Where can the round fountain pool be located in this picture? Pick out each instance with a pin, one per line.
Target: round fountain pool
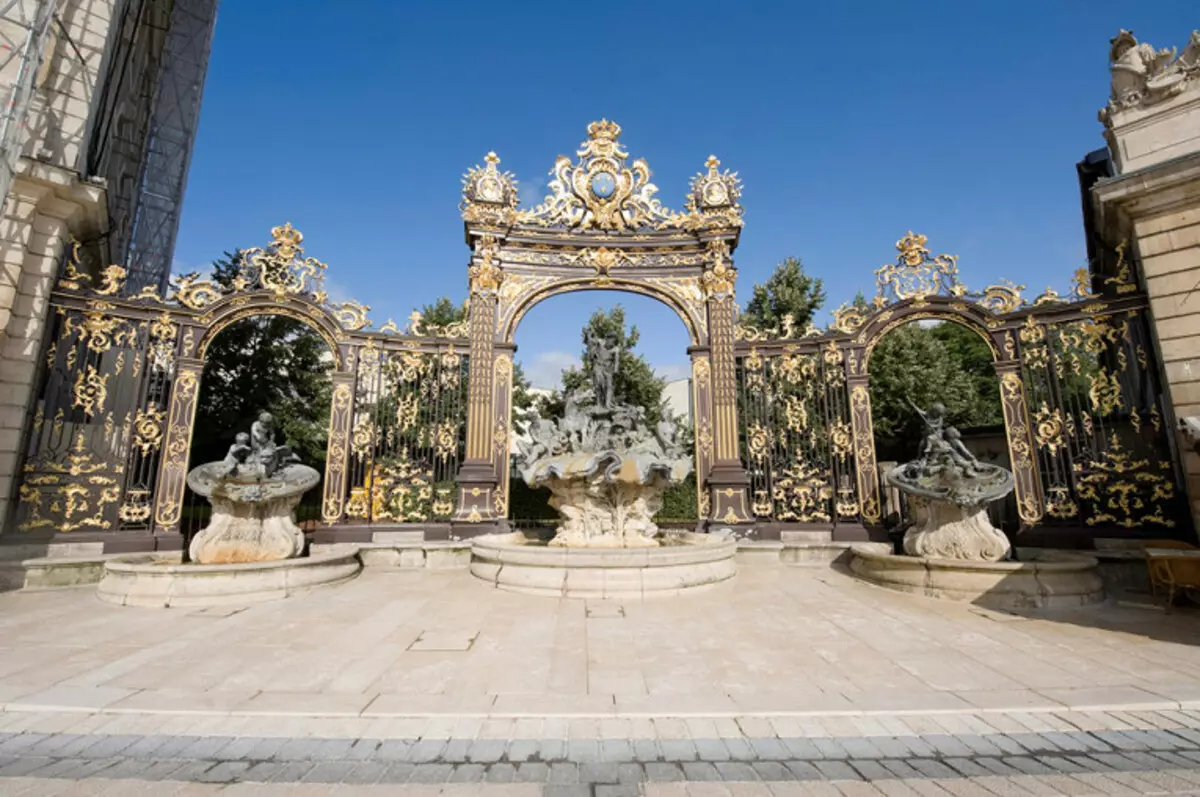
(683, 561)
(158, 580)
(1040, 580)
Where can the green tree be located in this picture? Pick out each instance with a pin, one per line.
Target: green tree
(916, 364)
(267, 362)
(789, 291)
(974, 357)
(635, 382)
(443, 312)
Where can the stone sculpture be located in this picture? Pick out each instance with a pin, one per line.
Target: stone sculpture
(1143, 75)
(254, 492)
(948, 491)
(605, 468)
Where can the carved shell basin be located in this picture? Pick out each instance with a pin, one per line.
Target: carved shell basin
(985, 484)
(248, 486)
(628, 468)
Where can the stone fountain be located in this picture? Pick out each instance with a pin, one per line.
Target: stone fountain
(251, 549)
(952, 549)
(606, 471)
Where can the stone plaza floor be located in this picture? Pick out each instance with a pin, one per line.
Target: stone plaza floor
(784, 681)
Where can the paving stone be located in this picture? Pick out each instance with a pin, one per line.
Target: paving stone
(616, 750)
(917, 747)
(772, 771)
(329, 771)
(522, 750)
(93, 767)
(804, 770)
(870, 769)
(1061, 763)
(553, 750)
(362, 750)
(965, 767)
(23, 766)
(740, 749)
(65, 744)
(736, 770)
(583, 750)
(837, 770)
(487, 751)
(769, 749)
(932, 768)
(130, 768)
(427, 750)
(51, 768)
(366, 773)
(890, 747)
(176, 744)
(830, 748)
(618, 790)
(1077, 742)
(700, 770)
(711, 750)
(563, 773)
(980, 745)
(662, 772)
(394, 750)
(1034, 742)
(261, 772)
(21, 741)
(1004, 745)
(677, 750)
(946, 745)
(227, 772)
(430, 773)
(566, 790)
(1028, 765)
(237, 749)
(333, 750)
(630, 773)
(1120, 741)
(294, 750)
(645, 750)
(900, 769)
(289, 771)
(532, 772)
(1188, 737)
(467, 773)
(160, 770)
(398, 772)
(860, 747)
(597, 772)
(801, 748)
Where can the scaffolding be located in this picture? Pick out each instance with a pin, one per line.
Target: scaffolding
(144, 128)
(24, 32)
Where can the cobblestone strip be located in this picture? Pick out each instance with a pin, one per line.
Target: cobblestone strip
(1143, 760)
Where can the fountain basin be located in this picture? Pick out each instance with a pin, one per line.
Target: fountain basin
(1041, 580)
(689, 561)
(157, 580)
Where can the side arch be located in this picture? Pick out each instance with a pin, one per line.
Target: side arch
(229, 312)
(880, 324)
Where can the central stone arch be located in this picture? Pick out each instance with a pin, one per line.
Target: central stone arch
(601, 228)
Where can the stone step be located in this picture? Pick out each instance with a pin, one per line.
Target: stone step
(806, 535)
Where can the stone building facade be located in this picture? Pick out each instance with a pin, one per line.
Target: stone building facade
(1152, 125)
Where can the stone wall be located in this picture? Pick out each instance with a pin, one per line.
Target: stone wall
(47, 205)
(1152, 124)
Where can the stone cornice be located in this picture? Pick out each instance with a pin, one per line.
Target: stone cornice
(1155, 189)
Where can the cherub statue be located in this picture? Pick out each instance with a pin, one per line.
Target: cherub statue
(237, 453)
(666, 431)
(958, 452)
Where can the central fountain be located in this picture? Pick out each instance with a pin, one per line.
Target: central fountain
(606, 471)
(951, 548)
(251, 549)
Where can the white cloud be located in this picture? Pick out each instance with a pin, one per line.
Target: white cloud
(545, 370)
(928, 323)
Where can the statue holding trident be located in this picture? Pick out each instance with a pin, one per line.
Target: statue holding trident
(605, 355)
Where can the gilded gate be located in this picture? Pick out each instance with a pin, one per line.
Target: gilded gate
(420, 423)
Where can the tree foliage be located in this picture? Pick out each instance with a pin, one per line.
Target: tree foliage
(635, 382)
(946, 363)
(266, 362)
(789, 291)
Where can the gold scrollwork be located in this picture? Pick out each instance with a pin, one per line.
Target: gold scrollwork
(918, 275)
(148, 429)
(1049, 429)
(1124, 491)
(90, 391)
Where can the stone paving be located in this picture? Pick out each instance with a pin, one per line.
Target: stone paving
(785, 682)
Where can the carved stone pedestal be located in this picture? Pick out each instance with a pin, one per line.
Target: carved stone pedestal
(944, 530)
(249, 532)
(598, 513)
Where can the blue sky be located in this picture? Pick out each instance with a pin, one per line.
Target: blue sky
(849, 123)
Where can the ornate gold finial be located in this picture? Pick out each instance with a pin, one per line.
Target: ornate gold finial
(604, 129)
(713, 164)
(912, 249)
(492, 160)
(916, 274)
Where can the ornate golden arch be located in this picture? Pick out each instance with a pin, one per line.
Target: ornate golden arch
(229, 311)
